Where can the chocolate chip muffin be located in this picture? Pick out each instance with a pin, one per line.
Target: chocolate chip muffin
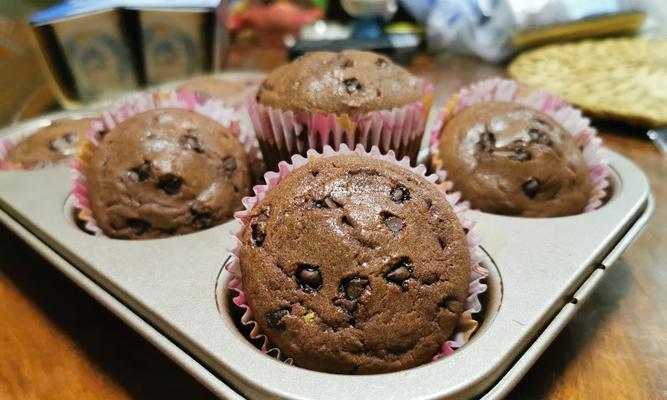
(352, 97)
(506, 158)
(231, 92)
(49, 145)
(166, 172)
(348, 82)
(355, 265)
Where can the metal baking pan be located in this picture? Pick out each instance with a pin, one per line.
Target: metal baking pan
(172, 290)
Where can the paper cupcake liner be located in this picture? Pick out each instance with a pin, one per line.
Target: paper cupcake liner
(282, 134)
(6, 145)
(135, 104)
(466, 326)
(566, 115)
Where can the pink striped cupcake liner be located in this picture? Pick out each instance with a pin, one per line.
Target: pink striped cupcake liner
(282, 133)
(6, 144)
(467, 324)
(566, 115)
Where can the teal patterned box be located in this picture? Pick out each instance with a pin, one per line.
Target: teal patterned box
(93, 50)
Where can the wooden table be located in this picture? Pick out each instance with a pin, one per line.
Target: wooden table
(56, 342)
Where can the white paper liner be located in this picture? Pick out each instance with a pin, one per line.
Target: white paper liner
(569, 117)
(118, 112)
(466, 325)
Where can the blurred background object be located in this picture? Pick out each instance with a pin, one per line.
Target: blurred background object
(92, 50)
(495, 29)
(613, 78)
(273, 23)
(369, 16)
(148, 42)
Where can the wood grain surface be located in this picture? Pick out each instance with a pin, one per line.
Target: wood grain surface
(58, 343)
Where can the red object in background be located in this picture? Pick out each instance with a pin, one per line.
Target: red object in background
(272, 22)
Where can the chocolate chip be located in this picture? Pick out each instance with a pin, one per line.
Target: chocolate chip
(201, 220)
(258, 227)
(352, 85)
(530, 187)
(348, 63)
(140, 173)
(71, 138)
(394, 223)
(169, 231)
(355, 287)
(520, 153)
(449, 303)
(309, 278)
(487, 142)
(170, 184)
(63, 142)
(400, 194)
(346, 221)
(275, 318)
(381, 62)
(378, 93)
(443, 242)
(400, 272)
(327, 202)
(351, 292)
(539, 136)
(347, 304)
(191, 142)
(138, 226)
(429, 279)
(229, 164)
(399, 275)
(258, 234)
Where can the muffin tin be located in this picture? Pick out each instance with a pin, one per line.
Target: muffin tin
(172, 290)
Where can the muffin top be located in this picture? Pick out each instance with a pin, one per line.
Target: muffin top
(166, 172)
(510, 159)
(355, 265)
(51, 144)
(347, 82)
(232, 92)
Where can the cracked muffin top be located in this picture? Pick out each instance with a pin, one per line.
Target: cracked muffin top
(166, 172)
(355, 265)
(346, 82)
(51, 144)
(506, 158)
